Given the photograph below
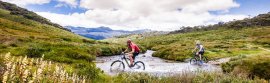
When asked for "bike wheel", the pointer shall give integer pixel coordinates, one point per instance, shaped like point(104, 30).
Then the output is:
point(205, 59)
point(139, 65)
point(117, 66)
point(193, 61)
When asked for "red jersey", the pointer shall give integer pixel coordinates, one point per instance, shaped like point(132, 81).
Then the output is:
point(135, 47)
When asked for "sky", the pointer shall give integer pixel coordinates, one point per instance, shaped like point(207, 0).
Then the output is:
point(161, 15)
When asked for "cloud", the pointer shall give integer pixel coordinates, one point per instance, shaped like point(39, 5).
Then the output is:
point(148, 7)
point(71, 3)
point(27, 2)
point(121, 20)
point(158, 14)
point(164, 15)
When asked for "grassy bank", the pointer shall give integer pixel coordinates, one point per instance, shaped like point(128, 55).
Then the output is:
point(24, 37)
point(252, 66)
point(185, 77)
point(218, 43)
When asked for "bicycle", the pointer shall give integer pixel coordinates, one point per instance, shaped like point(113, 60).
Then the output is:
point(120, 66)
point(195, 59)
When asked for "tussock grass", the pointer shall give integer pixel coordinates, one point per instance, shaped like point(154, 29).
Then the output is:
point(32, 70)
point(185, 77)
point(250, 66)
point(218, 43)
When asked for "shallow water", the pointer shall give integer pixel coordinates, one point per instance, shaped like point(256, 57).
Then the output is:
point(154, 65)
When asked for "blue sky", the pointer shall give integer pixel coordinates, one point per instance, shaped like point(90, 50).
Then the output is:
point(160, 15)
point(252, 7)
point(50, 7)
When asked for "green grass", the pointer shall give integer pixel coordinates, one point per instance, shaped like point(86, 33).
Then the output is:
point(251, 66)
point(25, 37)
point(185, 77)
point(218, 43)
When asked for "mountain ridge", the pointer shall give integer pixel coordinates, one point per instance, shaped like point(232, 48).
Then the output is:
point(102, 32)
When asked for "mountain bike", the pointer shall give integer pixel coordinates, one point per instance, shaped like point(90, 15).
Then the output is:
point(196, 59)
point(119, 65)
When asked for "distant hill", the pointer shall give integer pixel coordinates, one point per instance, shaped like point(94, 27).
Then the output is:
point(257, 21)
point(102, 32)
point(15, 10)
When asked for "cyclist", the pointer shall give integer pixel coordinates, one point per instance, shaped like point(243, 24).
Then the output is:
point(200, 51)
point(134, 51)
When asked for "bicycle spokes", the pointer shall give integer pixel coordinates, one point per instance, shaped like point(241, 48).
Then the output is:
point(117, 66)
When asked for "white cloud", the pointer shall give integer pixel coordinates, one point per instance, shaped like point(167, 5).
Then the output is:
point(27, 2)
point(144, 14)
point(71, 3)
point(148, 7)
point(121, 20)
point(158, 14)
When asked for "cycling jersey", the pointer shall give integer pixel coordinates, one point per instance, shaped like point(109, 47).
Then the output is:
point(135, 47)
point(199, 46)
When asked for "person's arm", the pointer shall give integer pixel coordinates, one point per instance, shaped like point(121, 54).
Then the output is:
point(194, 49)
point(126, 50)
point(133, 50)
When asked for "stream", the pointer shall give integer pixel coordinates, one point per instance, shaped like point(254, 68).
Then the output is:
point(156, 66)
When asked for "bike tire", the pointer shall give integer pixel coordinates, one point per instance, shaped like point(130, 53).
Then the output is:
point(115, 63)
point(193, 61)
point(141, 64)
point(205, 59)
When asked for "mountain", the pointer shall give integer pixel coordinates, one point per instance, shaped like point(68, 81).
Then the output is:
point(260, 20)
point(102, 32)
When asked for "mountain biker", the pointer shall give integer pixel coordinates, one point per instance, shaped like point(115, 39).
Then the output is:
point(134, 51)
point(200, 51)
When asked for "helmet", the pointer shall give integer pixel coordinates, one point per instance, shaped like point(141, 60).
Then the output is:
point(128, 41)
point(198, 42)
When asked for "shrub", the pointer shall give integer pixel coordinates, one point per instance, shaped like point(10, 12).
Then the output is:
point(3, 46)
point(106, 51)
point(32, 37)
point(13, 45)
point(87, 69)
point(35, 51)
point(227, 67)
point(74, 54)
point(261, 70)
point(254, 66)
point(88, 41)
point(66, 39)
point(20, 39)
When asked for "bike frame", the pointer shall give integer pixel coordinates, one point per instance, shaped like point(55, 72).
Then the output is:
point(122, 59)
point(197, 57)
point(125, 59)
